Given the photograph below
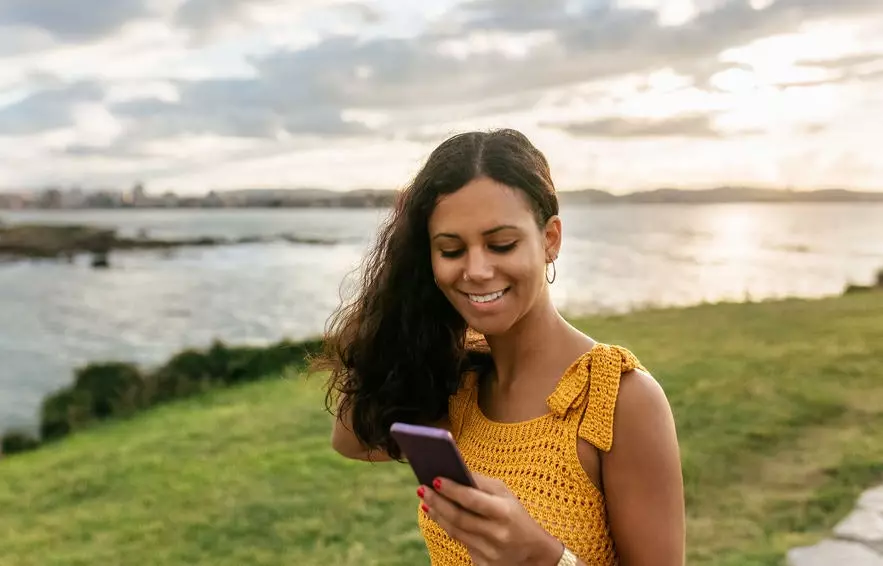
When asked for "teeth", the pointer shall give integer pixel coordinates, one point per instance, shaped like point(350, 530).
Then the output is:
point(486, 298)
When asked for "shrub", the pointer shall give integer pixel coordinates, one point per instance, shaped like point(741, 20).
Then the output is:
point(248, 364)
point(187, 372)
point(114, 388)
point(63, 412)
point(14, 442)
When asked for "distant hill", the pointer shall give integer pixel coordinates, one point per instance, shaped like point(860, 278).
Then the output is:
point(374, 198)
point(385, 198)
point(717, 195)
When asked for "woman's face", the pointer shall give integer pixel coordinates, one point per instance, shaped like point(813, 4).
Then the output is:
point(488, 255)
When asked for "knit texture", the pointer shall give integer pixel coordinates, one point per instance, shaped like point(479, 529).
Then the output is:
point(537, 459)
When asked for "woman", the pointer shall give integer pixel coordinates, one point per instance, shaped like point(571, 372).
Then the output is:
point(571, 442)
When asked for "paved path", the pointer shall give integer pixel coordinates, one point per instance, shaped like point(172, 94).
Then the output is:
point(857, 539)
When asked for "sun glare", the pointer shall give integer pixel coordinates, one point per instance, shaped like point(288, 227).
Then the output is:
point(734, 231)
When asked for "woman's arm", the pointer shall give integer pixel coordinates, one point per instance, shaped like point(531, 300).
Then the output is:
point(345, 443)
point(643, 482)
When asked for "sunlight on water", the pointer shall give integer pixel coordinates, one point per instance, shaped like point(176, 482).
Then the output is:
point(734, 233)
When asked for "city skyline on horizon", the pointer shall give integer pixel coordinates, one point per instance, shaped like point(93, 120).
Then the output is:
point(139, 190)
point(621, 95)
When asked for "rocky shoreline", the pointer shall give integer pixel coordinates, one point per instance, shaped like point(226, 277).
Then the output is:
point(38, 241)
point(857, 540)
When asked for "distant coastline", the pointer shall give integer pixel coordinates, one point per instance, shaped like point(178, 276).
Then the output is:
point(718, 195)
point(56, 199)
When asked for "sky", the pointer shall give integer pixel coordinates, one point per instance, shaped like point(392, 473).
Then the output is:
point(622, 95)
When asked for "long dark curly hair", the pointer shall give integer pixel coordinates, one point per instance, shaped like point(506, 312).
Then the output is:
point(398, 350)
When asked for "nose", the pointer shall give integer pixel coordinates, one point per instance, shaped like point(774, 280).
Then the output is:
point(479, 266)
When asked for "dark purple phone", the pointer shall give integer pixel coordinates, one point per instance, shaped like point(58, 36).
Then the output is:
point(432, 453)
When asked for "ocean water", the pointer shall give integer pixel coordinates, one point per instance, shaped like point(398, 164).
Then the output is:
point(55, 316)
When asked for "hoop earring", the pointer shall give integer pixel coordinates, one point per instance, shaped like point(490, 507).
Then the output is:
point(554, 272)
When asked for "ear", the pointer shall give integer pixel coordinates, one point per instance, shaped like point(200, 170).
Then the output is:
point(552, 235)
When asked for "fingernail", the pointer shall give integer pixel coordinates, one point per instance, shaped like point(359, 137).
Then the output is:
point(420, 492)
point(436, 483)
point(425, 508)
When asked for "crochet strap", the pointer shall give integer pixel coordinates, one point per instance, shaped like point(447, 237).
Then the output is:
point(595, 375)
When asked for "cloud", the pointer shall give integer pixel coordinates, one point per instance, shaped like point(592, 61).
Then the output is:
point(70, 21)
point(263, 108)
point(357, 71)
point(158, 119)
point(695, 126)
point(81, 150)
point(48, 109)
point(363, 12)
point(307, 91)
point(19, 40)
point(515, 15)
point(601, 39)
point(203, 17)
point(854, 67)
point(200, 14)
point(846, 62)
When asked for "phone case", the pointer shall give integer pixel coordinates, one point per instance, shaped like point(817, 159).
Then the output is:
point(432, 453)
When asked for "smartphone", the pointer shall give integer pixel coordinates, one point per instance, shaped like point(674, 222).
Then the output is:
point(432, 453)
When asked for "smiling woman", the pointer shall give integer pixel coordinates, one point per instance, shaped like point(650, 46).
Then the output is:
point(453, 327)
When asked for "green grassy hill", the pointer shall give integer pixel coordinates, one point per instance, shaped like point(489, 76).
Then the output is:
point(779, 408)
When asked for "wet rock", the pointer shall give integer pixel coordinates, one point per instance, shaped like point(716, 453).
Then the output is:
point(834, 553)
point(872, 499)
point(100, 260)
point(864, 526)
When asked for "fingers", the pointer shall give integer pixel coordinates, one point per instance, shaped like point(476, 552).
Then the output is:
point(475, 543)
point(490, 485)
point(480, 502)
point(479, 519)
point(473, 531)
point(460, 519)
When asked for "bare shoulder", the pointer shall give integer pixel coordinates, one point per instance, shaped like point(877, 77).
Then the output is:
point(643, 413)
point(640, 392)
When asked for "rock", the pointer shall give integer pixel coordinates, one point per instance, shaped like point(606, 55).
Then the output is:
point(864, 526)
point(834, 553)
point(38, 241)
point(872, 500)
point(100, 261)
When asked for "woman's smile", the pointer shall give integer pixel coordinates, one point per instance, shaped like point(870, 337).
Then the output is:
point(486, 301)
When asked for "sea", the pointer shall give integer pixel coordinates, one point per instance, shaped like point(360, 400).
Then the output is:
point(56, 316)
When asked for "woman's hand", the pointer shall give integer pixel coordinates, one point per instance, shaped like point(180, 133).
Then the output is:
point(490, 521)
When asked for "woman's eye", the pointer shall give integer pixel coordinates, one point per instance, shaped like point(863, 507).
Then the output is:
point(503, 248)
point(451, 253)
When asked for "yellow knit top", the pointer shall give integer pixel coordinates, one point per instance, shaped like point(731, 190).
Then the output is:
point(537, 459)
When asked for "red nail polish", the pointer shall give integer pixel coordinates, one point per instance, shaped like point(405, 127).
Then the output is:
point(420, 492)
point(436, 483)
point(425, 508)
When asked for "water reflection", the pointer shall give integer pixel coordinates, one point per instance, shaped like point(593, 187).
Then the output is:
point(54, 316)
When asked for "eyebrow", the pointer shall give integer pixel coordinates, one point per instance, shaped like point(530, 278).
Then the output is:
point(493, 230)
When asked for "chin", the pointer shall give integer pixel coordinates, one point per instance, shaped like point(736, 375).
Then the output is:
point(490, 327)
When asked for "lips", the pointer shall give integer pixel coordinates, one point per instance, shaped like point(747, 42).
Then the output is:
point(485, 298)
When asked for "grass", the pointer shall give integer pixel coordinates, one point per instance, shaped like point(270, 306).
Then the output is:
point(779, 408)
